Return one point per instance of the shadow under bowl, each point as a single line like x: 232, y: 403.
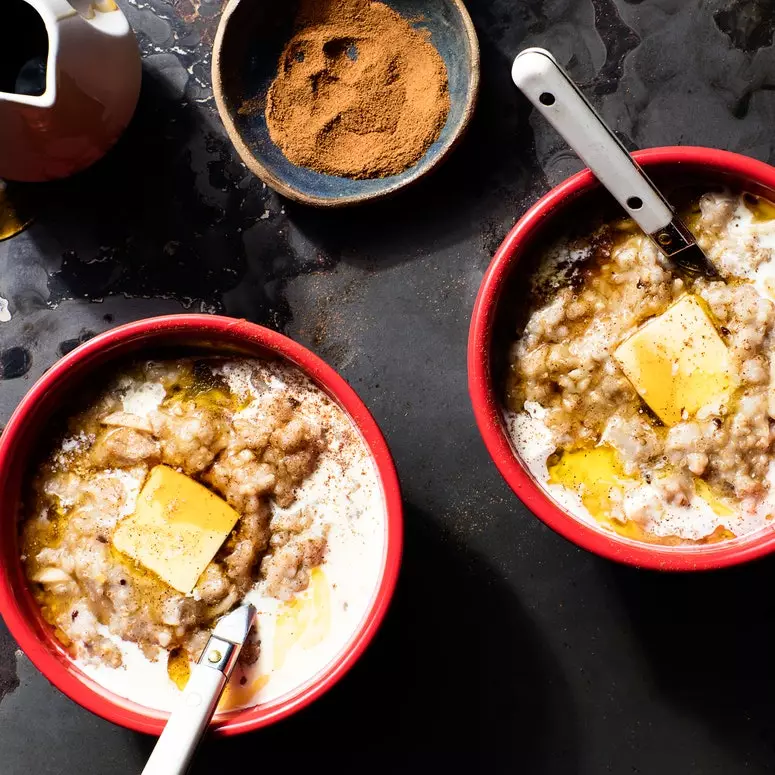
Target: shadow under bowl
x: 575, y: 207
x: 251, y: 36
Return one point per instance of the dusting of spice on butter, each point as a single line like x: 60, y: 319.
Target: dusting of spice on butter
x: 177, y: 527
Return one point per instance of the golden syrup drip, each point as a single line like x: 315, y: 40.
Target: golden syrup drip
x: 178, y: 668
x: 594, y: 474
x: 240, y: 691
x: 761, y: 209
x: 597, y: 475
x: 12, y: 217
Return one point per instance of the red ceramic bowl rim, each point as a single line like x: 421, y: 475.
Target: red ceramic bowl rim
x: 743, y: 170
x: 52, y: 662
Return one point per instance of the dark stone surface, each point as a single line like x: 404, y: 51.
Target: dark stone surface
x: 506, y: 647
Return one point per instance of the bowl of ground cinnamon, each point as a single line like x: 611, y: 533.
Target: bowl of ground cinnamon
x: 335, y: 102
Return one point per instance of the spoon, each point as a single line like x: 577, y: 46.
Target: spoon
x: 189, y: 721
x: 543, y: 81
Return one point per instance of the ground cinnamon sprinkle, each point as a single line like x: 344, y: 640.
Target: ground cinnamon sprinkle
x: 359, y: 92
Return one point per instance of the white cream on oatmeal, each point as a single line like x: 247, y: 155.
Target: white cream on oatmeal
x: 312, y: 584
x: 591, y: 437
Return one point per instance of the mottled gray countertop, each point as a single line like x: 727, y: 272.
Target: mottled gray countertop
x: 506, y: 647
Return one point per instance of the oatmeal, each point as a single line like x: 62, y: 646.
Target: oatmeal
x: 646, y: 400
x: 294, y: 489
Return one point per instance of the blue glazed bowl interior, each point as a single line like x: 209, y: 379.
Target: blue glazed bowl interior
x: 253, y: 40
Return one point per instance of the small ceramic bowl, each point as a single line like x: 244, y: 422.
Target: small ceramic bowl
x: 250, y: 39
x: 28, y: 424
x: 492, y: 330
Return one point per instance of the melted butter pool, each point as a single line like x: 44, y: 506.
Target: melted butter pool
x: 305, y: 620
x: 596, y: 474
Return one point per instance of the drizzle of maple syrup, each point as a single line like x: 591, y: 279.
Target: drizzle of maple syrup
x: 179, y: 668
x: 305, y: 619
x: 596, y: 473
x: 761, y: 209
x: 240, y: 691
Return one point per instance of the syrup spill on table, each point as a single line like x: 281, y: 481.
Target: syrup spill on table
x: 13, y: 215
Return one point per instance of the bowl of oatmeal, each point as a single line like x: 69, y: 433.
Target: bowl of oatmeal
x: 170, y: 469
x: 631, y: 408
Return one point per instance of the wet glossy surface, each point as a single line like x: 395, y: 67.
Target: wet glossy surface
x: 571, y: 664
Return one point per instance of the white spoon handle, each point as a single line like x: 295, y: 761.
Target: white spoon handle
x: 558, y: 99
x: 187, y: 723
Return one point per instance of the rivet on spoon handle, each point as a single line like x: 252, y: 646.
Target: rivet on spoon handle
x: 559, y: 100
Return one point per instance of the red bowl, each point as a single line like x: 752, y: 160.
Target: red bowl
x: 28, y: 424
x: 700, y: 165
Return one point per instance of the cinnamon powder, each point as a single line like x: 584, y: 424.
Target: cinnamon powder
x: 359, y: 92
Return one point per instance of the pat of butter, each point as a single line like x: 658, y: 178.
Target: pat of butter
x: 677, y: 362
x: 176, y: 529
